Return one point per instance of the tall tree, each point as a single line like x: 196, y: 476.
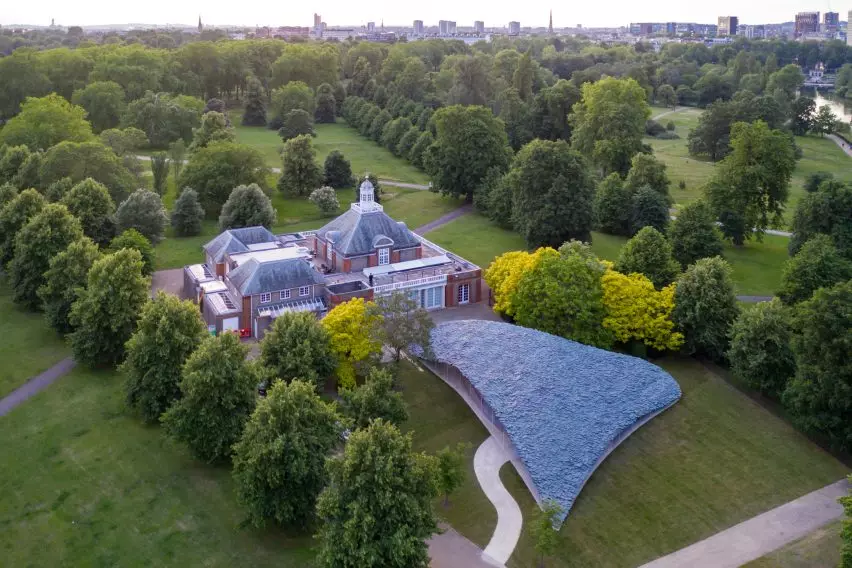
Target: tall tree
x: 374, y: 399
x: 66, y: 274
x: 646, y: 170
x: 79, y: 161
x: 169, y: 330
x: 827, y: 212
x: 90, y: 202
x: 247, y: 206
x: 187, y: 215
x: 164, y: 118
x: 255, y: 111
x: 516, y: 115
x: 300, y: 173
x: 452, y: 469
x: 802, y: 115
x: 134, y: 240
x: 214, y: 128
x: 353, y: 329
x: 649, y: 253
x: 524, y: 76
x: 648, y: 208
x: 296, y: 346
x: 469, y: 142
x: 816, y: 265
x: 46, y: 121
x: 376, y: 510
x: 143, y: 211
x: 694, y: 235
x: 45, y: 235
x: 705, y: 307
x: 279, y: 462
x: 543, y: 529
x: 609, y: 122
x: 612, y: 206
x: 104, y: 102
x: 754, y: 179
x: 296, y: 123
x: 13, y: 216
x: 216, y: 170
x: 337, y: 171
x: 404, y: 324
x: 292, y: 96
x: 105, y: 313
x: 217, y: 396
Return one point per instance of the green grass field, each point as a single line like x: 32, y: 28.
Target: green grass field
x: 820, y: 549
x: 714, y: 459
x: 28, y: 346
x: 364, y: 154
x: 756, y: 266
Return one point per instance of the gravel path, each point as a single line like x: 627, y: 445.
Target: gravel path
x: 35, y: 385
x: 444, y: 219
x: 762, y: 534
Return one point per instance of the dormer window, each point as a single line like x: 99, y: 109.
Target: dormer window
x: 384, y: 256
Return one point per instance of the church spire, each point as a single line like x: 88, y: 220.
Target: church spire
x: 550, y: 27
x: 200, y: 27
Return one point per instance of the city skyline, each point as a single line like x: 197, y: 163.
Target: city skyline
x: 336, y: 12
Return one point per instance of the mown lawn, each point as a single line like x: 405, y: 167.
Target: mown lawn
x: 820, y: 549
x: 28, y: 346
x: 87, y: 484
x: 714, y: 459
x: 756, y: 267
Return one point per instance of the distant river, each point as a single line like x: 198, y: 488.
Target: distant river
x: 841, y: 110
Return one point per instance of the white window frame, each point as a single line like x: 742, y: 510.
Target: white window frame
x: 463, y: 294
x: 265, y: 297
x: 284, y: 294
x: 304, y: 290
x: 384, y: 256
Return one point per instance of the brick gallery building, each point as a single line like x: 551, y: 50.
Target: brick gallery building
x: 251, y: 276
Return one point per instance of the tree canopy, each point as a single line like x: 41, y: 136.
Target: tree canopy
x: 297, y: 346
x: 46, y: 121
x: 216, y: 170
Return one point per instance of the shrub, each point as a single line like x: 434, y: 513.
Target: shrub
x: 325, y: 198
x: 670, y: 126
x: 760, y: 352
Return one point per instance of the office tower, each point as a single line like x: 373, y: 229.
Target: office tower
x: 514, y: 28
x: 371, y: 27
x: 849, y: 29
x: 418, y: 27
x: 479, y: 26
x: 727, y: 26
x: 831, y: 22
x: 807, y: 23
x: 317, y: 20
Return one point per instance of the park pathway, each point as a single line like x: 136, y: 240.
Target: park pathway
x: 668, y: 112
x: 762, y: 534
x: 842, y: 143
x: 444, y: 219
x: 489, y: 458
x: 35, y: 385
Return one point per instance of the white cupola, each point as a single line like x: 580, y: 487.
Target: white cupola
x: 367, y: 200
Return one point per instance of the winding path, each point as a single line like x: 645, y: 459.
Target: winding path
x: 487, y: 462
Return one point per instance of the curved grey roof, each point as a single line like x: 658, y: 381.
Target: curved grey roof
x: 237, y: 240
x: 358, y: 231
x: 565, y: 405
x: 255, y: 277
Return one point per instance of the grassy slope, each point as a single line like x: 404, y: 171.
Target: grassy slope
x: 711, y: 461
x: 820, y: 549
x: 28, y: 345
x: 84, y: 483
x: 756, y: 266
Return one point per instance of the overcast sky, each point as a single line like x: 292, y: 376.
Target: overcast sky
x: 395, y: 12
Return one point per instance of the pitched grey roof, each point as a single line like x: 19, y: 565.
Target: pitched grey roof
x: 255, y: 277
x: 357, y: 233
x: 237, y: 240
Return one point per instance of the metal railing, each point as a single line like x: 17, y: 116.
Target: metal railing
x: 384, y: 288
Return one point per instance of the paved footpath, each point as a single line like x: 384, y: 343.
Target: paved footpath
x: 840, y: 142
x: 35, y: 385
x: 444, y: 219
x: 762, y: 534
x: 487, y: 461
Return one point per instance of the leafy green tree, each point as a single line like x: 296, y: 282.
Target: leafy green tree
x: 407, y: 142
x: 393, y: 133
x: 124, y: 141
x: 187, y: 214
x: 247, y: 206
x: 255, y: 111
x: 143, y: 211
x: 169, y: 330
x: 296, y: 346
x: 164, y: 118
x: 612, y: 206
x: 217, y: 396
x: 57, y: 190
x: 376, y: 510
x: 817, y: 396
x: 609, y: 122
x: 666, y: 95
x: 326, y: 107
x: 300, y: 173
x: 418, y: 151
x: 29, y: 174
x: 79, y: 161
x: 105, y: 313
x: 788, y: 79
x: 313, y: 64
x: 712, y: 136
x: 374, y: 399
x: 7, y: 194
x: 13, y: 217
x: 552, y: 194
x: 516, y: 115
x: 296, y: 122
x: 648, y: 208
x: 825, y: 212
x: 816, y: 179
x: 46, y: 121
x: 90, y: 202
x: 824, y: 121
x: 134, y: 240
x: 543, y: 529
x: 563, y: 296
x: 469, y: 142
x: 325, y: 198
x: 104, y: 102
x: 362, y: 74
x: 802, y: 115
x: 649, y: 253
x: 706, y: 307
x: 216, y: 170
x: 551, y: 109
x: 694, y: 235
x: 177, y: 153
x: 66, y: 274
x: 160, y: 171
x: 524, y: 76
x: 22, y: 78
x: 214, y: 128
x: 377, y: 126
x: 647, y: 171
x: 365, y: 118
x: 754, y: 179
x: 46, y: 234
x: 760, y: 351
x: 404, y: 324
x: 452, y: 469
x: 11, y: 160
x: 292, y: 96
x: 816, y: 265
x: 337, y: 171
x: 279, y: 462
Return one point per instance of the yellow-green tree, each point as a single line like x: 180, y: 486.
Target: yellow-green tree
x: 352, y: 327
x: 504, y: 273
x: 638, y: 312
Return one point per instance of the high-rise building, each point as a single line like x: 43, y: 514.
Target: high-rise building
x: 849, y: 29
x: 807, y: 23
x: 446, y: 27
x: 371, y: 27
x: 727, y: 26
x: 317, y: 20
x: 515, y: 28
x: 830, y: 22
x: 755, y: 32
x: 479, y: 26
x: 418, y: 27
